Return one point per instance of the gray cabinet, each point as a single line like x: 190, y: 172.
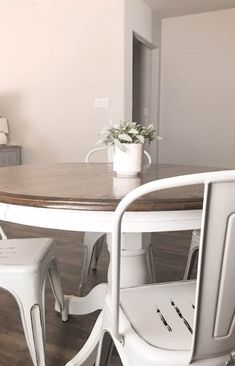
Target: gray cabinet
x: 10, y: 155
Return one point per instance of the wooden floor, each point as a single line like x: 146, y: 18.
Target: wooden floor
x: 64, y: 340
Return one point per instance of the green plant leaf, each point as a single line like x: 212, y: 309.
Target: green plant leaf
x: 134, y: 131
x: 128, y: 132
x: 125, y: 137
x: 140, y: 138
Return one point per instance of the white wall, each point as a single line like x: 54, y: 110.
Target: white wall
x: 138, y: 19
x: 56, y: 57
x: 141, y: 20
x: 198, y: 89
x: 156, y: 29
x: 156, y: 72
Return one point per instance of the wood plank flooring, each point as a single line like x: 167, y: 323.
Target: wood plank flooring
x: 64, y: 340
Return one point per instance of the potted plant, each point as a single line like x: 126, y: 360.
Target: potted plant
x: 127, y: 140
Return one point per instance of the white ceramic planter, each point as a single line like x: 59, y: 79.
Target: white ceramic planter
x: 129, y: 162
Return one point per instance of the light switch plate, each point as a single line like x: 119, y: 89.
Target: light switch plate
x: 101, y: 103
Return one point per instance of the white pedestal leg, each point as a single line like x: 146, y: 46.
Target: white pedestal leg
x: 135, y: 266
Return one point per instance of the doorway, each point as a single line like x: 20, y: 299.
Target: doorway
x: 145, y: 85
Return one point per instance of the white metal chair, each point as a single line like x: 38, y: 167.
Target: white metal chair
x: 93, y: 242
x: 176, y: 323
x: 103, y: 148
x: 24, y: 265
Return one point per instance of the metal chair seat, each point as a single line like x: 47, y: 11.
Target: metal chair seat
x: 24, y: 265
x: 167, y: 316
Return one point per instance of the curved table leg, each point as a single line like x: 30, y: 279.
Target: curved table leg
x: 76, y: 305
x: 97, y: 349
x: 84, y: 305
x: 105, y: 350
x: 87, y: 355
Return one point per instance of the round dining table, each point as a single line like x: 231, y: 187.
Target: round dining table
x: 83, y: 197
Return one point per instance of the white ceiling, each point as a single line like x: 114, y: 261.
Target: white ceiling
x: 171, y: 8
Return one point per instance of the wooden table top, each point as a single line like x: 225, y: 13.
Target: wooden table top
x: 93, y: 186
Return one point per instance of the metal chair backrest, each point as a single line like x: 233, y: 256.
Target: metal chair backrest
x: 110, y: 157
x: 214, y: 323
x: 215, y: 302
x: 96, y: 150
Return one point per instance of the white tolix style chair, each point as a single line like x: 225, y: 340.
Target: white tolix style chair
x: 105, y: 148
x: 177, y: 323
x: 93, y: 242
x: 24, y: 265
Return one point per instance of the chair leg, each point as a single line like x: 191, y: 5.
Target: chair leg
x: 32, y: 320
x: 55, y: 280
x: 90, y: 240
x: 97, y: 251
x: 194, y: 247
x: 151, y: 265
x: 2, y: 234
x: 105, y: 350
